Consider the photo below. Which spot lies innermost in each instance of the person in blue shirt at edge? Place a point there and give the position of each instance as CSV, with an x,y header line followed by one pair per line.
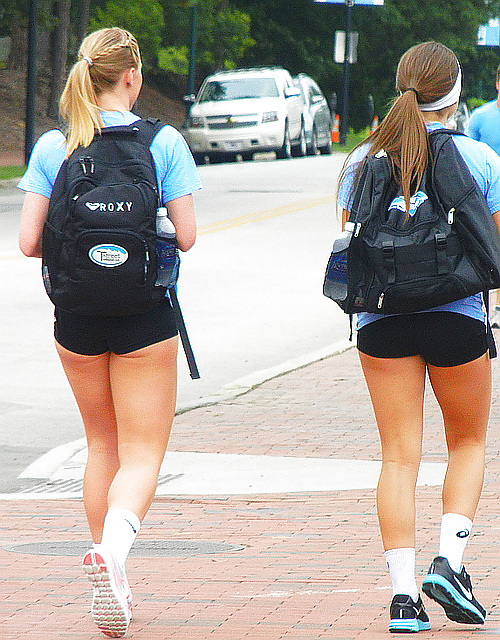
x,y
484,125
123,371
448,343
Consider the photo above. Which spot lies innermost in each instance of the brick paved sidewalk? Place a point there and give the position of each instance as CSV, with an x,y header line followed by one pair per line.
x,y
311,565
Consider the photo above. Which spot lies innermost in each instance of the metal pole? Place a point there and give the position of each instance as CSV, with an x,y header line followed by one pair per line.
x,y
192,51
29,133
345,89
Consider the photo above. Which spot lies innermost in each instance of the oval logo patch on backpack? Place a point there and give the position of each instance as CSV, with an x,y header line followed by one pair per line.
x,y
108,255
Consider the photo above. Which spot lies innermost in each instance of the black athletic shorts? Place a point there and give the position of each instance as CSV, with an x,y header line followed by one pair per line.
x,y
441,338
92,336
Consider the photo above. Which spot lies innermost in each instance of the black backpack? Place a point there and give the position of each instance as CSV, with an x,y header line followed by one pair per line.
x,y
99,239
447,249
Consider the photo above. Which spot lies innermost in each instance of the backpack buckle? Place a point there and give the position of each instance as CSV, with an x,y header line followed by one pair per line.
x,y
388,248
390,265
441,256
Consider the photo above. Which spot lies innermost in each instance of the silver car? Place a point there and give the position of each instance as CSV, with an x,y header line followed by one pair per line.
x,y
243,112
316,116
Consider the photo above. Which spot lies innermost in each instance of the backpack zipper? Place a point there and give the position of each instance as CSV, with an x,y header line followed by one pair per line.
x,y
380,300
451,212
146,264
87,165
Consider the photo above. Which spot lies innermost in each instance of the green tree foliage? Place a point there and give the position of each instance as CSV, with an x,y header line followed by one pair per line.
x,y
143,18
296,34
230,36
299,35
386,32
174,60
223,34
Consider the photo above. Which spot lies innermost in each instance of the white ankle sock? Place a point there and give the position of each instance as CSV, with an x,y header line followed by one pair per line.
x,y
121,527
455,532
401,563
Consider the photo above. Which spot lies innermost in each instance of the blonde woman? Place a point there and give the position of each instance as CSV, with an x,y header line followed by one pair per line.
x,y
447,344
122,370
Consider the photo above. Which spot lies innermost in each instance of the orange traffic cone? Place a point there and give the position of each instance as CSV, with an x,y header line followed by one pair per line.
x,y
374,124
335,129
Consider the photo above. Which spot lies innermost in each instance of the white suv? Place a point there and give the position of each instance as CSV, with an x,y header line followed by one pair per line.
x,y
245,111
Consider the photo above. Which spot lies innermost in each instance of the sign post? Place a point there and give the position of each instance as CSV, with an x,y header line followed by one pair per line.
x,y
344,119
488,35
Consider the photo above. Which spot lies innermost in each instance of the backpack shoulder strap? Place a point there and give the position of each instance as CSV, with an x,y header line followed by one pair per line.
x,y
147,129
142,130
446,156
451,176
374,176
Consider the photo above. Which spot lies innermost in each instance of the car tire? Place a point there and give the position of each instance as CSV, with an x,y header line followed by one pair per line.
x,y
199,158
327,149
285,151
313,149
299,150
247,156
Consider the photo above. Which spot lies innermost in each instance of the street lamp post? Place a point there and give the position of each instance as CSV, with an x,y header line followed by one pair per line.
x,y
29,131
192,50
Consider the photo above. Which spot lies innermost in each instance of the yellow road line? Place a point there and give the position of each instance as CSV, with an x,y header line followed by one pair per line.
x,y
293,207
231,223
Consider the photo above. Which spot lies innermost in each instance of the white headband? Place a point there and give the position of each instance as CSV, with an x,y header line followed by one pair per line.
x,y
448,99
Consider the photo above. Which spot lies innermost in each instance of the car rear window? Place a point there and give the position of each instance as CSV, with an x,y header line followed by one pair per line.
x,y
239,89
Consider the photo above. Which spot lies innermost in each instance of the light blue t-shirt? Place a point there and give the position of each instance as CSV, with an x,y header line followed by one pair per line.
x,y
175,168
484,165
484,125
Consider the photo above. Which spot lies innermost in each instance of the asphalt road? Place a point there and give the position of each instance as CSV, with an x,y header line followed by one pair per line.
x,y
250,291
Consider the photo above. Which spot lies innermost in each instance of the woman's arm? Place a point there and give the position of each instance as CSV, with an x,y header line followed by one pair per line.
x,y
181,212
496,218
345,217
33,216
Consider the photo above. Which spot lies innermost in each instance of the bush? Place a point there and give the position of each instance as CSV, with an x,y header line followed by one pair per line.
x,y
474,103
174,60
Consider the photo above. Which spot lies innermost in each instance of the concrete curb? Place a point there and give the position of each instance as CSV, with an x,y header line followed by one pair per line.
x,y
247,383
48,463
12,182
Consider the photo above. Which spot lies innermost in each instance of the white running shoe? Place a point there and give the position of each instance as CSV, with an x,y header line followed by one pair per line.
x,y
112,600
495,318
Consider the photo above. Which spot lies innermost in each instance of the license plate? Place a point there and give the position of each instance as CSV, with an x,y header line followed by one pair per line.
x,y
234,145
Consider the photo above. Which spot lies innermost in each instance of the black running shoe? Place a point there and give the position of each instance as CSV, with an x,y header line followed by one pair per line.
x,y
408,616
453,591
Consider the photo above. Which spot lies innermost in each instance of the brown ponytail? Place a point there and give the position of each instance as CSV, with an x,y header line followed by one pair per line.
x,y
425,73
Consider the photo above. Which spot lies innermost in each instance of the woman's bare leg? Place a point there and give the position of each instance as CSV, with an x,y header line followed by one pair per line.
x,y
127,404
464,395
396,389
143,385
88,377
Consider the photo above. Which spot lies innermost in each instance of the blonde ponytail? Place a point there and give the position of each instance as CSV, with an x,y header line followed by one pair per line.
x,y
104,55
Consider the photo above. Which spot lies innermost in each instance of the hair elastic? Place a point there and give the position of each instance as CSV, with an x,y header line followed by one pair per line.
x,y
414,91
88,60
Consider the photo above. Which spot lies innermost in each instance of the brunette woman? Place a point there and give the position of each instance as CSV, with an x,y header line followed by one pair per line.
x,y
447,344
